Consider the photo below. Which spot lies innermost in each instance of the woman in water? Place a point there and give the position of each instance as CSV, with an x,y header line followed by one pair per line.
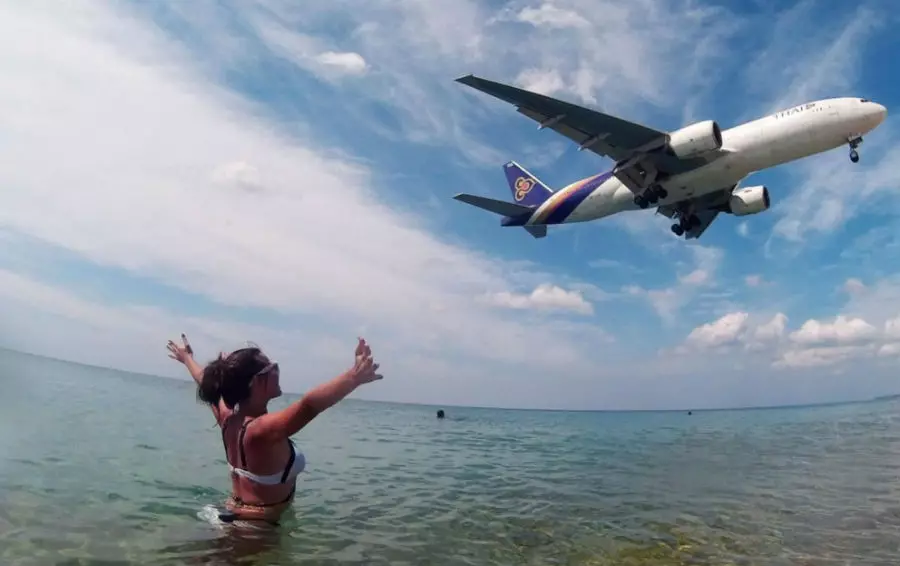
x,y
263,460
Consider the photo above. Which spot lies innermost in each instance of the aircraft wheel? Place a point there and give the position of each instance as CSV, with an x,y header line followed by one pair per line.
x,y
854,156
640,201
662,193
677,229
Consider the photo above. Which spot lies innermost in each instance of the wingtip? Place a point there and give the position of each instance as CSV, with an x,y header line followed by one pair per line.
x,y
465,79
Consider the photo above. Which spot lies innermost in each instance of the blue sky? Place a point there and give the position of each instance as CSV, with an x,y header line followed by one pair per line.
x,y
283,174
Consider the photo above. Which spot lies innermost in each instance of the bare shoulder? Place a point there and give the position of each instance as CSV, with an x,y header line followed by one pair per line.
x,y
223,414
278,425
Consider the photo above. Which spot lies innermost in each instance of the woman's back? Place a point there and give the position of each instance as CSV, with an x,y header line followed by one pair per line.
x,y
262,474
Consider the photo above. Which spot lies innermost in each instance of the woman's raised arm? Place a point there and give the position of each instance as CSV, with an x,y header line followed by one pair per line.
x,y
185,355
286,422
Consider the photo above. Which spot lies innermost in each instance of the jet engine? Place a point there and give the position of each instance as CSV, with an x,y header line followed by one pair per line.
x,y
749,200
696,139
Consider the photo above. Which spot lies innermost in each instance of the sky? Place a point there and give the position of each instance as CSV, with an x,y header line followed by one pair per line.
x,y
282,173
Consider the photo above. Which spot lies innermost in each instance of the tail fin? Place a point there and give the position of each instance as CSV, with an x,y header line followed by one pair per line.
x,y
527,189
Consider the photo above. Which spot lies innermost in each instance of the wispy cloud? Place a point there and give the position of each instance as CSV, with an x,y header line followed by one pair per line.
x,y
309,52
128,159
222,154
415,49
690,283
831,190
813,54
551,16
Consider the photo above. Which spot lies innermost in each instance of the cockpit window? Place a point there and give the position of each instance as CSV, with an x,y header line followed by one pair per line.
x,y
863,99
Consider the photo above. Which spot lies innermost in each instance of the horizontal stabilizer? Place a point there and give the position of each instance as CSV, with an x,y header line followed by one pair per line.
x,y
492,205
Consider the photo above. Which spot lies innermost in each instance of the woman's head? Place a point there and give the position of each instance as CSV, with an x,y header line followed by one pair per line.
x,y
240,377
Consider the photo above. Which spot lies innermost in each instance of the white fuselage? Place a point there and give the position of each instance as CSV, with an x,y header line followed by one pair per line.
x,y
767,142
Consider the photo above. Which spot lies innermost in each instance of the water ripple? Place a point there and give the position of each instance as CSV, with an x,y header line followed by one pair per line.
x,y
390,484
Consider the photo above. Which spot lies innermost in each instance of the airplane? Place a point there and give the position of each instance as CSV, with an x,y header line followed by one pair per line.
x,y
690,175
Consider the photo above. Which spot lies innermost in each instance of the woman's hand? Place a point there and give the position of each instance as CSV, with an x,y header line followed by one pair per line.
x,y
365,367
181,353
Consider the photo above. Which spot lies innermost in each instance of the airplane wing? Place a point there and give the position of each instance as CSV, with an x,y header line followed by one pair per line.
x,y
706,208
627,143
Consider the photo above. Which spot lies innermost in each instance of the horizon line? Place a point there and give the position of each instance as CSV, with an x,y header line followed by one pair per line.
x,y
490,407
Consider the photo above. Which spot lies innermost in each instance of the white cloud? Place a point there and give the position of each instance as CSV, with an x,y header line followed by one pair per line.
x,y
821,356
309,53
551,16
544,297
48,319
892,338
419,47
854,286
818,58
841,330
668,301
876,304
772,330
889,350
810,56
696,277
722,331
351,63
238,174
17,288
816,343
832,190
733,330
546,82
892,328
125,156
129,157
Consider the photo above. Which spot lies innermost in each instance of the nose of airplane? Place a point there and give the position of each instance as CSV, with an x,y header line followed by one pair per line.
x,y
880,113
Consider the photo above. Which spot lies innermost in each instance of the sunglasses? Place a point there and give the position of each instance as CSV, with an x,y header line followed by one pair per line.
x,y
272,367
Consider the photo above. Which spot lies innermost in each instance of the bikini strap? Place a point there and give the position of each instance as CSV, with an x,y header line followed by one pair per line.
x,y
241,443
290,464
287,468
225,444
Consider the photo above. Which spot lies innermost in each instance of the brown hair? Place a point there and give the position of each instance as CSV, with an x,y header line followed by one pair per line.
x,y
228,378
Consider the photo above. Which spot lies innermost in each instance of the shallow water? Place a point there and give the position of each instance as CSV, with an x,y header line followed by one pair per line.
x,y
101,467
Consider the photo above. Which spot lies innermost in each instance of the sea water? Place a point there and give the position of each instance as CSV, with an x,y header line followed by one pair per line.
x,y
103,467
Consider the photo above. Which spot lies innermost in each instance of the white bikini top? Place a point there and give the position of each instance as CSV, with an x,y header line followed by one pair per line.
x,y
296,463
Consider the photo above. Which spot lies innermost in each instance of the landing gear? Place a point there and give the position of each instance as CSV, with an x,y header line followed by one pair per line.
x,y
651,196
854,143
684,224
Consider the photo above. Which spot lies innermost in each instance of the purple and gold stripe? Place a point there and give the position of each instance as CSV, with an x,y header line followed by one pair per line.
x,y
562,204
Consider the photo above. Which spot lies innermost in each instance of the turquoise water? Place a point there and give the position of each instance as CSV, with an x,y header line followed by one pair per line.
x,y
101,467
